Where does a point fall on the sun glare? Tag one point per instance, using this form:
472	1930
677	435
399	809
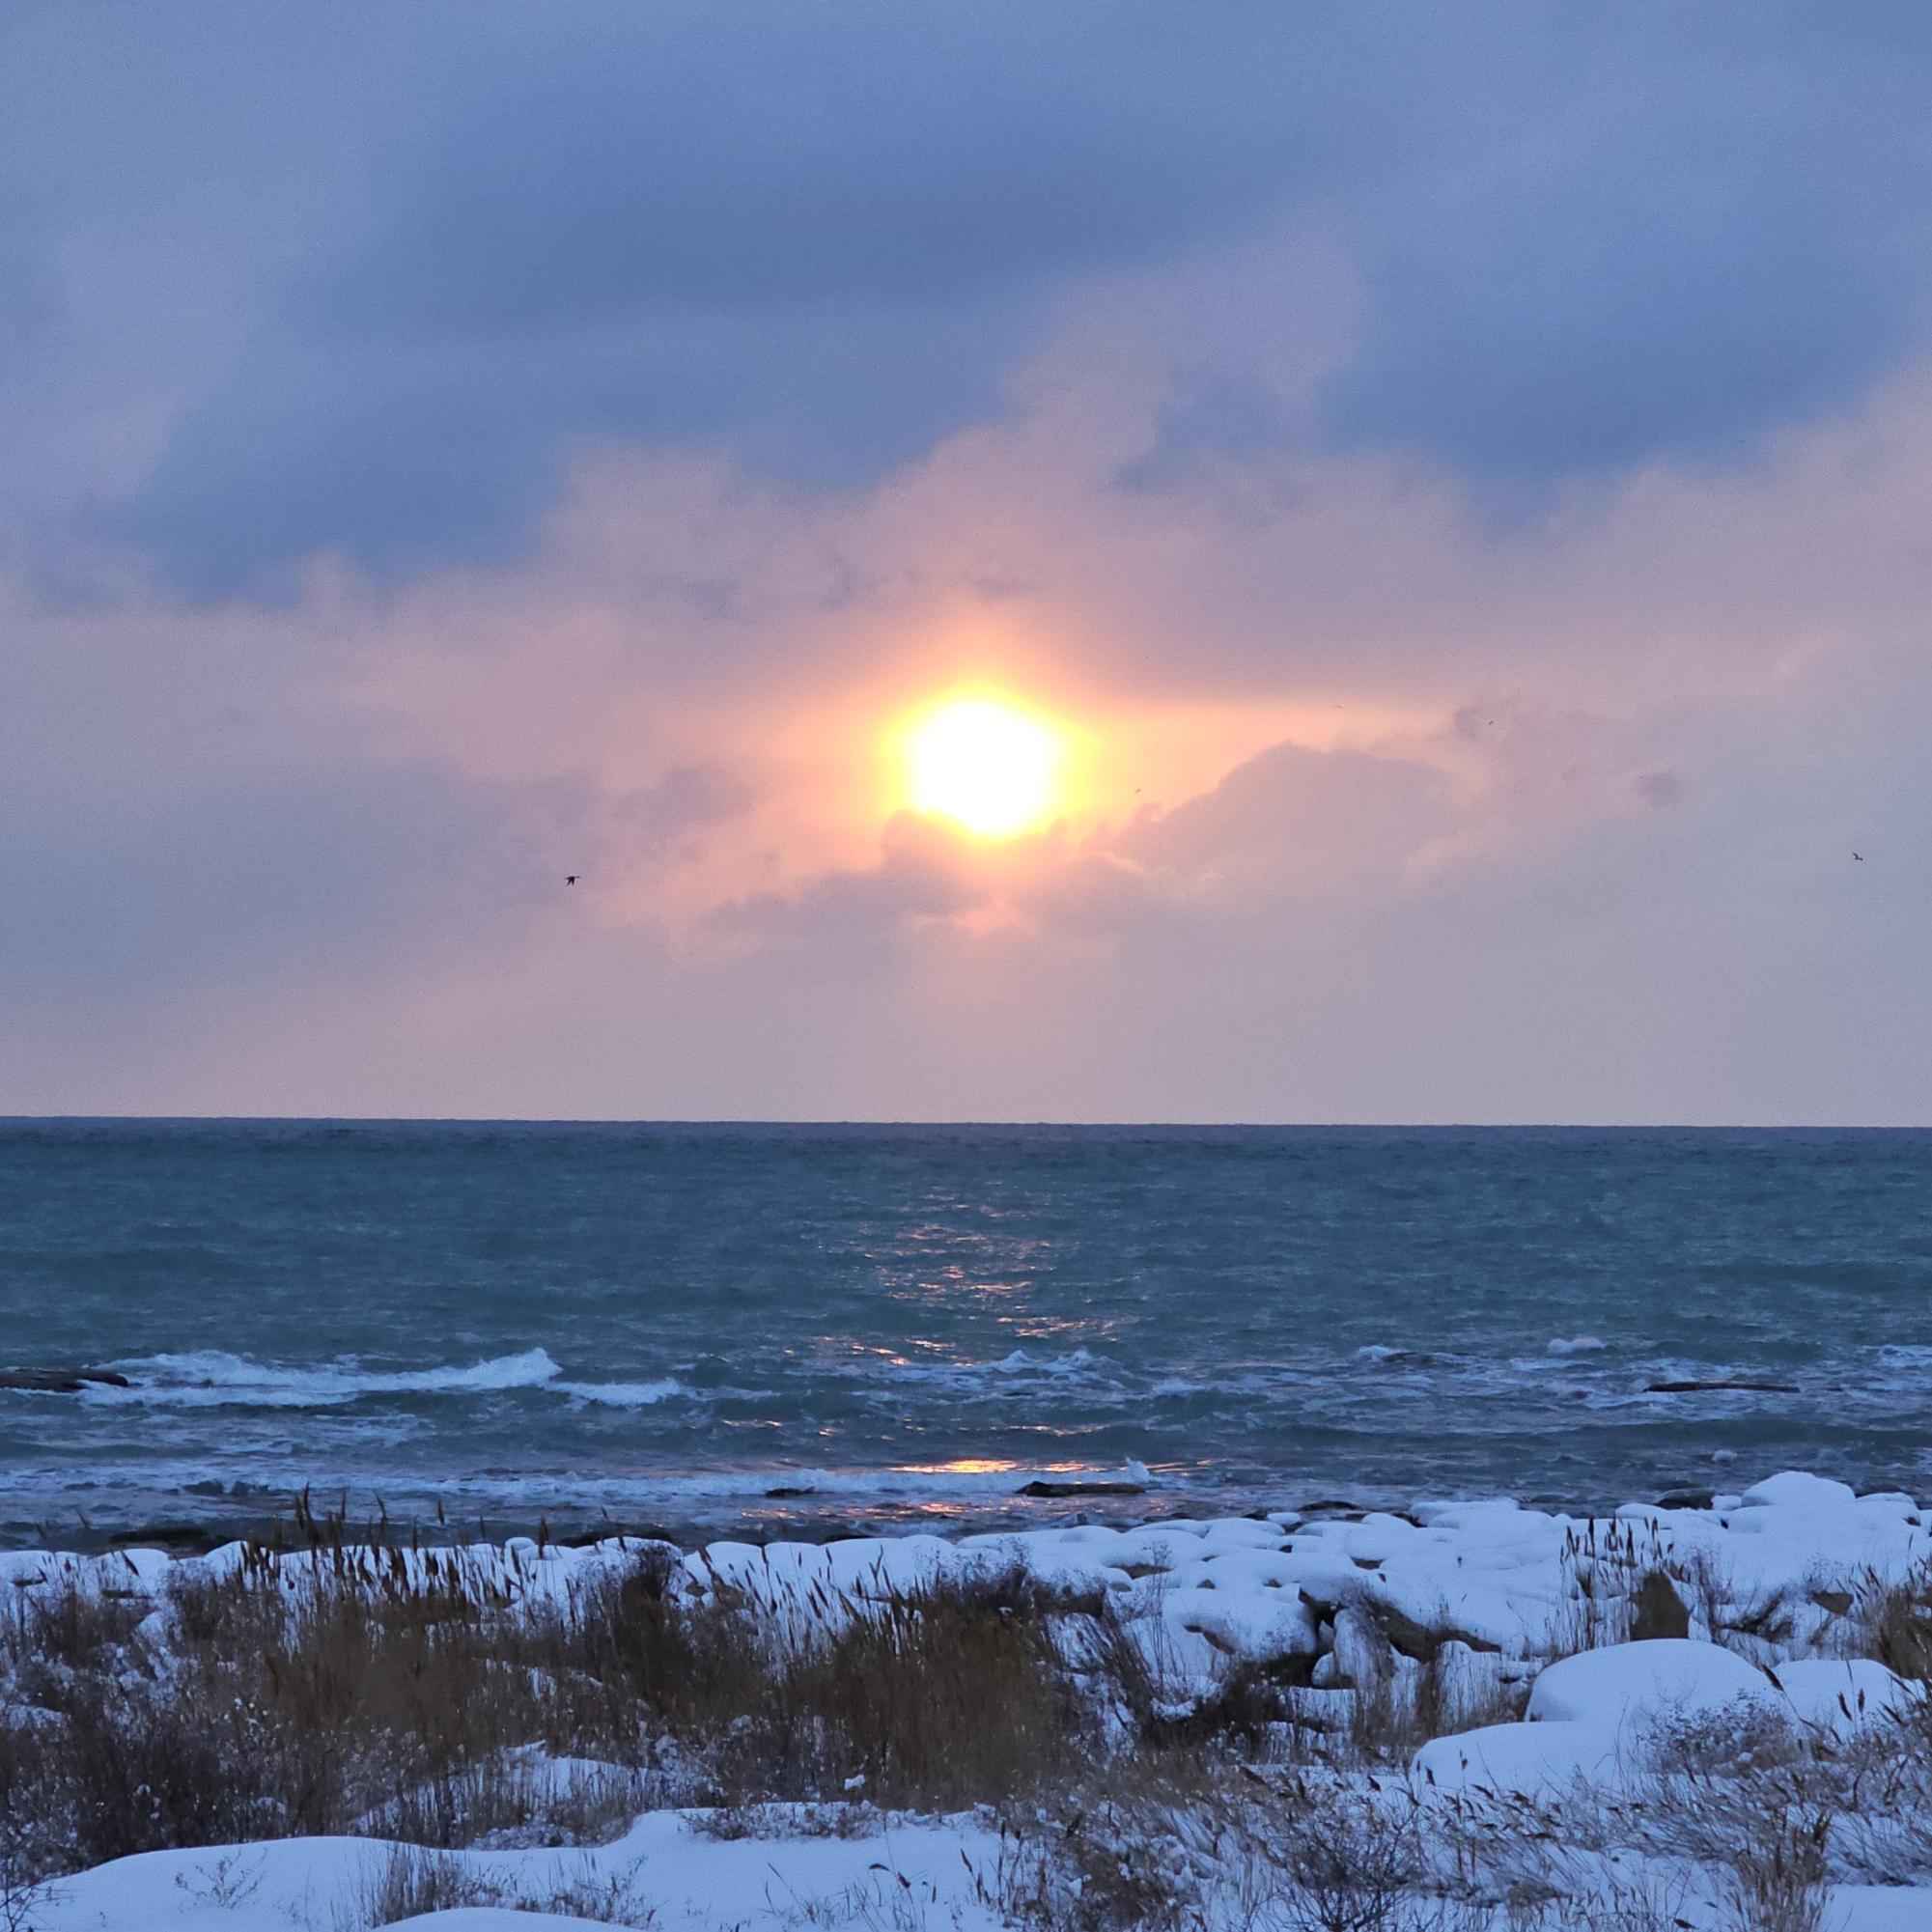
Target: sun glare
986	764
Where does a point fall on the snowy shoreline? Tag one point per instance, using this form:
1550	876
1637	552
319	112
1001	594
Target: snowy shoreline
1490	1567
1514	1658
786	1504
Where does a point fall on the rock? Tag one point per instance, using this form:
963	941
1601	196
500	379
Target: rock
1795	1490
61	1381
1466	1684
1685	1499
174	1539
1408	1638
1625	1680
1720	1387
1362	1655
1527	1760
1658	1610
1040	1488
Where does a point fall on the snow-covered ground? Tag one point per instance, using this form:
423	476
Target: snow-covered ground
1505	1580
664	1873
661	1873
1648	1659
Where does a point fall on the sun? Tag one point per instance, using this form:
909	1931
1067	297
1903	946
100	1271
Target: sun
987	764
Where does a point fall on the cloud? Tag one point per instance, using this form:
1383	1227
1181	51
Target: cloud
283	290
1467	483
1294	825
1665	249
925	871
342	874
1296	819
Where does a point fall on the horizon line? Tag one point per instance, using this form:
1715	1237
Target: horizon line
910	1121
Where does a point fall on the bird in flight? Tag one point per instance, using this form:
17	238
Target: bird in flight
570	879
1860	857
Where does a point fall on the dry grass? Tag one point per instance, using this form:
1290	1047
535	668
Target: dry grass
1603	1566
1391	1719
419	1698
416	1695
1310	1851
1891	1619
411	1882
950	1694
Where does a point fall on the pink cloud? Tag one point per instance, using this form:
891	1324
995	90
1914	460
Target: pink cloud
1621	748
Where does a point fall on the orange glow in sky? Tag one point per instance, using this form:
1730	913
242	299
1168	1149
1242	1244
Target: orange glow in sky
986	763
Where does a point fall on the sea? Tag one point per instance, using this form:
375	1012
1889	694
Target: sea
484	1328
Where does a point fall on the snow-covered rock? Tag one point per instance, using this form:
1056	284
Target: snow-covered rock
1519	1760
1664	1675
1590	1716
668	1875
486	1918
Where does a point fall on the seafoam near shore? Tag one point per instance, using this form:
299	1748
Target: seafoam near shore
1594	1632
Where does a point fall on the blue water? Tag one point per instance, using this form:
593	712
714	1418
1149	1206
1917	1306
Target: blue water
667	1325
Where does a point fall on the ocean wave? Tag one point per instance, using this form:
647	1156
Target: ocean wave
623	1394
1018	1362
213	1378
1904	1355
1409	1357
1575	1345
1022	1362
938	1483
158	1489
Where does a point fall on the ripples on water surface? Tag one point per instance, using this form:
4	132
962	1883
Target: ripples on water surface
670	1324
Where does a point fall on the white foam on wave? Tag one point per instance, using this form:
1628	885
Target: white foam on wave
1076	1362
214	1378
1021	1360
624	1394
1575	1345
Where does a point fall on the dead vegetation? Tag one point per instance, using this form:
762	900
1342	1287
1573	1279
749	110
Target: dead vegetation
411	1882
1891	1619
413	1695
418	1696
1746	1820
1309	1850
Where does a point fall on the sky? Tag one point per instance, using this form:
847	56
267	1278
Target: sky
1456	483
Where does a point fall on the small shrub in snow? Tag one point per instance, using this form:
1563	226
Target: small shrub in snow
411	1883
1891	1621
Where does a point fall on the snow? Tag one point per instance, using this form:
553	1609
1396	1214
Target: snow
487	1918
1794	1489
664	1866
1878	1908
1606	1689
1487	1571
1520	1760
1482	1591
1842	1697
1591	1716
